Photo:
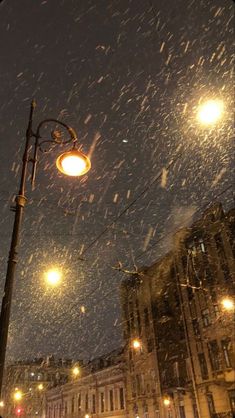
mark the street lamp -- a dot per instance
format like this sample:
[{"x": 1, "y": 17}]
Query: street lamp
[
  {"x": 228, "y": 304},
  {"x": 72, "y": 163},
  {"x": 53, "y": 277},
  {"x": 210, "y": 112}
]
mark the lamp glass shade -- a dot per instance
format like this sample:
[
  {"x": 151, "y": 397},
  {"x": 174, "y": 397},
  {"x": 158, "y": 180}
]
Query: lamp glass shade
[{"x": 73, "y": 163}]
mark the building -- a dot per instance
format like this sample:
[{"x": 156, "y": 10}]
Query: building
[
  {"x": 183, "y": 364},
  {"x": 98, "y": 391},
  {"x": 25, "y": 384}
]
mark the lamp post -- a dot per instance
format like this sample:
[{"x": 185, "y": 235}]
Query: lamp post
[{"x": 72, "y": 163}]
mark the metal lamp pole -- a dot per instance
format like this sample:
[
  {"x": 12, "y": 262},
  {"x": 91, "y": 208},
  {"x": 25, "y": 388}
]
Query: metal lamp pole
[{"x": 20, "y": 202}]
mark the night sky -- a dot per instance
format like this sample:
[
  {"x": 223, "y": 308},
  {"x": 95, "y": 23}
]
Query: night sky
[{"x": 127, "y": 76}]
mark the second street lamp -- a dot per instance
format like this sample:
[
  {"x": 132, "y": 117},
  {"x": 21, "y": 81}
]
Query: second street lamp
[{"x": 73, "y": 163}]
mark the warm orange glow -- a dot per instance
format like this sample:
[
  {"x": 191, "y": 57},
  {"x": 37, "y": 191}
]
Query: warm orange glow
[
  {"x": 73, "y": 163},
  {"x": 40, "y": 386},
  {"x": 18, "y": 395},
  {"x": 136, "y": 344},
  {"x": 227, "y": 304},
  {"x": 53, "y": 277},
  {"x": 210, "y": 112},
  {"x": 76, "y": 371},
  {"x": 1, "y": 404},
  {"x": 166, "y": 401}
]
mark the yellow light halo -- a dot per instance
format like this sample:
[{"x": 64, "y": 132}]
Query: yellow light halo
[
  {"x": 53, "y": 276},
  {"x": 210, "y": 111},
  {"x": 73, "y": 163},
  {"x": 228, "y": 304}
]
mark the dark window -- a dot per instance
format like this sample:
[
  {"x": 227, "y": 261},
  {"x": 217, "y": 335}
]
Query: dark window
[
  {"x": 214, "y": 355},
  {"x": 149, "y": 344},
  {"x": 72, "y": 405},
  {"x": 210, "y": 403},
  {"x": 196, "y": 328},
  {"x": 65, "y": 408},
  {"x": 93, "y": 404},
  {"x": 206, "y": 317},
  {"x": 132, "y": 321},
  {"x": 79, "y": 401},
  {"x": 146, "y": 317},
  {"x": 231, "y": 394},
  {"x": 203, "y": 365},
  {"x": 184, "y": 260},
  {"x": 121, "y": 396},
  {"x": 86, "y": 402},
  {"x": 195, "y": 411},
  {"x": 102, "y": 402},
  {"x": 111, "y": 400},
  {"x": 219, "y": 245},
  {"x": 182, "y": 411},
  {"x": 138, "y": 317},
  {"x": 225, "y": 347}
]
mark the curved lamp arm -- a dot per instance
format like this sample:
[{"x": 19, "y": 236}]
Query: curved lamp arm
[{"x": 55, "y": 140}]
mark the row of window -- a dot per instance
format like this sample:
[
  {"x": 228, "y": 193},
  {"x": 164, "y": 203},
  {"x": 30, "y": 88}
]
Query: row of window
[
  {"x": 90, "y": 403},
  {"x": 217, "y": 357}
]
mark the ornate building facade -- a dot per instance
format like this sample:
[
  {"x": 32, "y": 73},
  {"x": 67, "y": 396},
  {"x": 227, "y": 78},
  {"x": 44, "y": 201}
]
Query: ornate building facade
[
  {"x": 181, "y": 312},
  {"x": 98, "y": 391}
]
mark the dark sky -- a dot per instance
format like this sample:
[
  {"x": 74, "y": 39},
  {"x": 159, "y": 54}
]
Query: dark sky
[{"x": 130, "y": 73}]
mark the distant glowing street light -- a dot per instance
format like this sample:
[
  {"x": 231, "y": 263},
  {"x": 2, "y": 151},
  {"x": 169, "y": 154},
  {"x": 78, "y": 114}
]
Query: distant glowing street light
[
  {"x": 87, "y": 416},
  {"x": 76, "y": 371},
  {"x": 71, "y": 162},
  {"x": 18, "y": 395},
  {"x": 136, "y": 344},
  {"x": 40, "y": 386},
  {"x": 53, "y": 277},
  {"x": 166, "y": 401},
  {"x": 210, "y": 112},
  {"x": 1, "y": 404},
  {"x": 228, "y": 304}
]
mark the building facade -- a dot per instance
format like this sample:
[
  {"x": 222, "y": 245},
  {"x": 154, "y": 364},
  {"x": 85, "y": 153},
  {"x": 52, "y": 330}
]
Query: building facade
[
  {"x": 184, "y": 365},
  {"x": 26, "y": 382},
  {"x": 98, "y": 391}
]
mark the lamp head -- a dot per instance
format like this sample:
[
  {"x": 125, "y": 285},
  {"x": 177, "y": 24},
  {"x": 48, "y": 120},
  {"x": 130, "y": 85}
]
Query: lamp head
[{"x": 73, "y": 163}]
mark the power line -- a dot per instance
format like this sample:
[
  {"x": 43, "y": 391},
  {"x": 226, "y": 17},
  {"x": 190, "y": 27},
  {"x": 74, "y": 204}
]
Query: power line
[{"x": 94, "y": 241}]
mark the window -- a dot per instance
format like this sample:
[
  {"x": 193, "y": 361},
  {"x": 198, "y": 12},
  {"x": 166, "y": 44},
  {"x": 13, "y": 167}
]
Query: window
[
  {"x": 86, "y": 402},
  {"x": 231, "y": 395},
  {"x": 79, "y": 401},
  {"x": 138, "y": 317},
  {"x": 72, "y": 405},
  {"x": 203, "y": 365},
  {"x": 214, "y": 355},
  {"x": 65, "y": 408},
  {"x": 225, "y": 348},
  {"x": 210, "y": 403},
  {"x": 93, "y": 404},
  {"x": 216, "y": 311},
  {"x": 146, "y": 317},
  {"x": 182, "y": 411},
  {"x": 196, "y": 328},
  {"x": 111, "y": 405},
  {"x": 101, "y": 401},
  {"x": 176, "y": 371},
  {"x": 201, "y": 245},
  {"x": 206, "y": 317},
  {"x": 149, "y": 344}
]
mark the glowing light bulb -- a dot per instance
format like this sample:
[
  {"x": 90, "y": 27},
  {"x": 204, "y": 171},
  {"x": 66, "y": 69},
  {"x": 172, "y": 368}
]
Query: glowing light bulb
[
  {"x": 166, "y": 401},
  {"x": 40, "y": 386},
  {"x": 53, "y": 277},
  {"x": 136, "y": 344},
  {"x": 76, "y": 371},
  {"x": 228, "y": 304},
  {"x": 18, "y": 395},
  {"x": 73, "y": 163},
  {"x": 210, "y": 112}
]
